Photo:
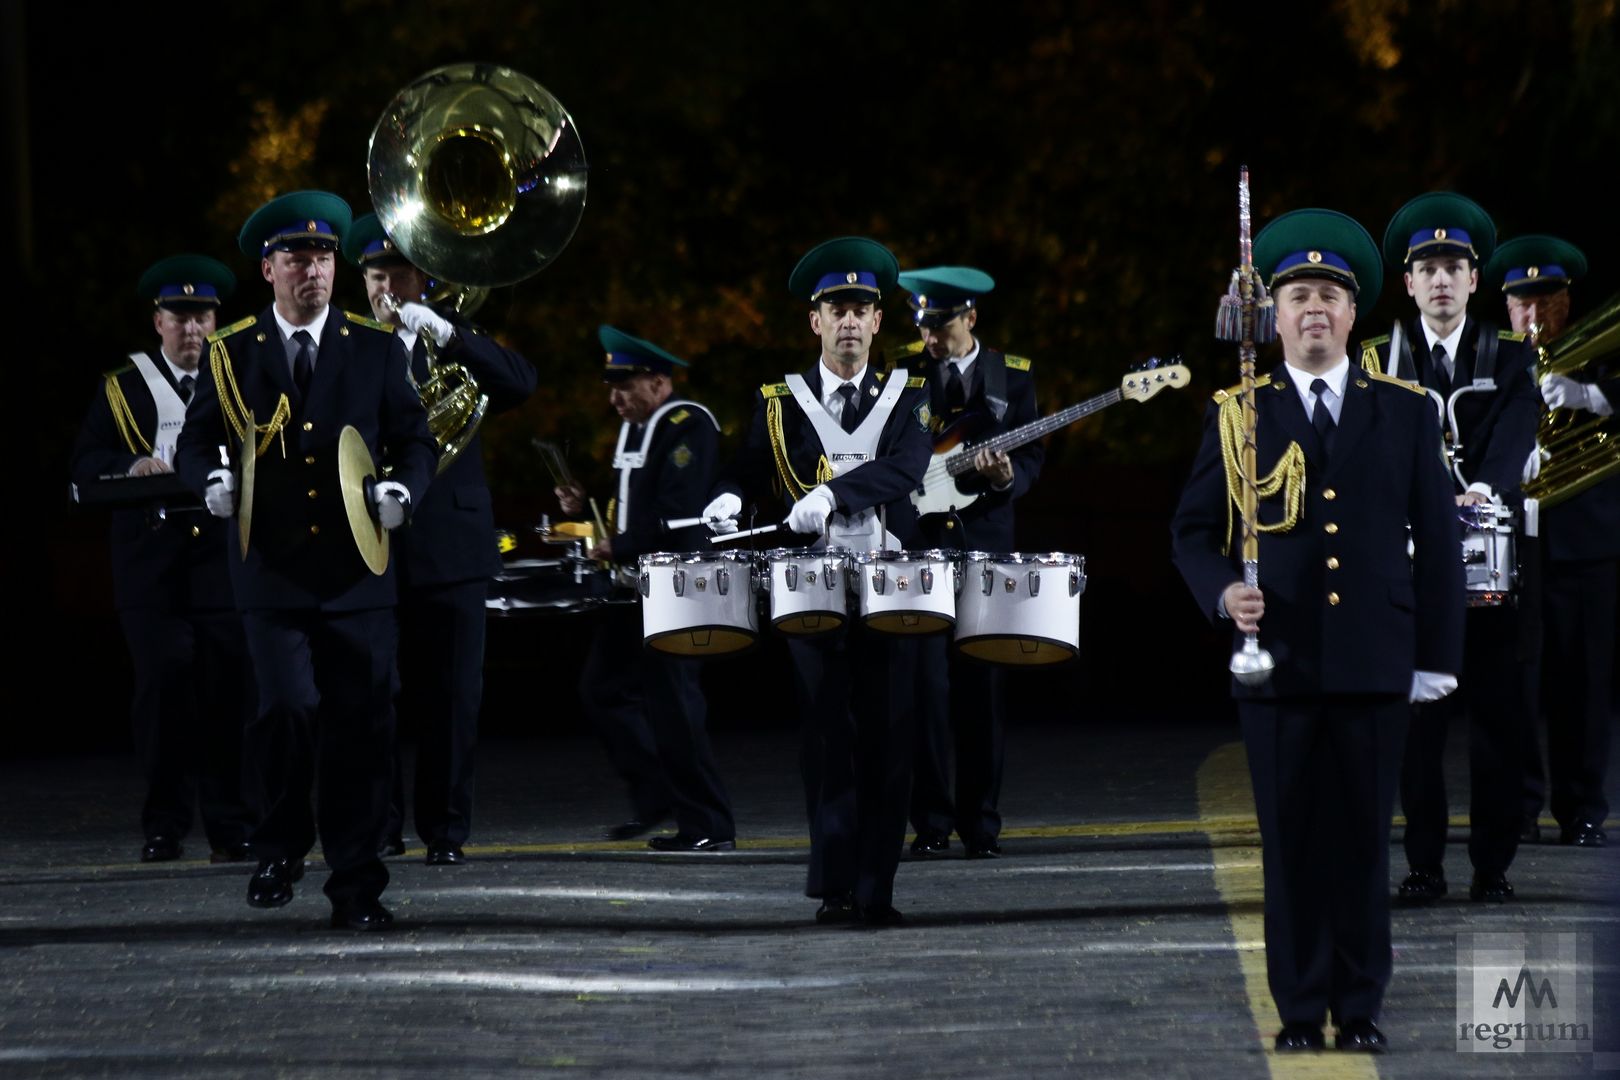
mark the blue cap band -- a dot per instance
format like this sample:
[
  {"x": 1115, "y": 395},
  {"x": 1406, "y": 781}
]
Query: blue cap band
[
  {"x": 308, "y": 233},
  {"x": 863, "y": 281},
  {"x": 1439, "y": 238},
  {"x": 1320, "y": 263},
  {"x": 200, "y": 292},
  {"x": 1550, "y": 274}
]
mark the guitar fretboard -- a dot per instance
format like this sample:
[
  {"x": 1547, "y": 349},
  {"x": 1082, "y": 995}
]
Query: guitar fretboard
[{"x": 1036, "y": 429}]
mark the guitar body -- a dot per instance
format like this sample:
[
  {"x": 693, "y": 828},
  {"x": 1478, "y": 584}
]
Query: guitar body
[{"x": 938, "y": 493}]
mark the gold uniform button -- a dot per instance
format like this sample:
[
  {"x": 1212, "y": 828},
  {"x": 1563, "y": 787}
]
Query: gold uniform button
[
  {"x": 312, "y": 493},
  {"x": 314, "y": 530},
  {"x": 1327, "y": 493},
  {"x": 311, "y": 427},
  {"x": 310, "y": 460},
  {"x": 196, "y": 531},
  {"x": 1331, "y": 527},
  {"x": 1333, "y": 599},
  {"x": 1333, "y": 562}
]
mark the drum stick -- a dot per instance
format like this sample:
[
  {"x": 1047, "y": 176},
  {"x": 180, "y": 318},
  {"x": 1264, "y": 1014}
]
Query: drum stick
[{"x": 728, "y": 537}]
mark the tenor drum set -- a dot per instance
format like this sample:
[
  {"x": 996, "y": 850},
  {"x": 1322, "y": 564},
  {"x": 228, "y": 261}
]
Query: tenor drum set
[{"x": 1014, "y": 609}]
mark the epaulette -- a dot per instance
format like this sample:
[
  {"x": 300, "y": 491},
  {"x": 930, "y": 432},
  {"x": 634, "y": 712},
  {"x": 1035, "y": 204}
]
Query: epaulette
[
  {"x": 1017, "y": 363},
  {"x": 234, "y": 328},
  {"x": 1395, "y": 380},
  {"x": 915, "y": 382},
  {"x": 1510, "y": 335},
  {"x": 1220, "y": 396},
  {"x": 679, "y": 415},
  {"x": 776, "y": 389},
  {"x": 115, "y": 372},
  {"x": 893, "y": 355},
  {"x": 1374, "y": 342},
  {"x": 363, "y": 321}
]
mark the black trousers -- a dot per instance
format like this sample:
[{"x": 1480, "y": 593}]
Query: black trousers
[
  {"x": 325, "y": 724},
  {"x": 1491, "y": 693},
  {"x": 1579, "y": 611},
  {"x": 193, "y": 697},
  {"x": 853, "y": 687},
  {"x": 441, "y": 673},
  {"x": 960, "y": 716},
  {"x": 648, "y": 707},
  {"x": 1325, "y": 772}
]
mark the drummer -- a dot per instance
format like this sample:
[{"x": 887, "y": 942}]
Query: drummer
[
  {"x": 845, "y": 446},
  {"x": 648, "y": 706}
]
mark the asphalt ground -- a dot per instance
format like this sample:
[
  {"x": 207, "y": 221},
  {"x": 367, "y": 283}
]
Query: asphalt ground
[{"x": 1120, "y": 936}]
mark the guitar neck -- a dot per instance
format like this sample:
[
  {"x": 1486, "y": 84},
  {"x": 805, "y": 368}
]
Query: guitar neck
[{"x": 1035, "y": 429}]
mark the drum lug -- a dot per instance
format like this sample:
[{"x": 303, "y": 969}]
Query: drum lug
[
  {"x": 680, "y": 582},
  {"x": 791, "y": 574},
  {"x": 989, "y": 576},
  {"x": 722, "y": 581},
  {"x": 879, "y": 575},
  {"x": 1034, "y": 583},
  {"x": 643, "y": 585},
  {"x": 1077, "y": 582},
  {"x": 926, "y": 576},
  {"x": 829, "y": 576}
]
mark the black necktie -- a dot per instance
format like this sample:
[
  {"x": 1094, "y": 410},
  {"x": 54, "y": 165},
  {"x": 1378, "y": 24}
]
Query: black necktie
[
  {"x": 1442, "y": 370},
  {"x": 187, "y": 384},
  {"x": 955, "y": 392},
  {"x": 1322, "y": 416},
  {"x": 304, "y": 362},
  {"x": 850, "y": 417}
]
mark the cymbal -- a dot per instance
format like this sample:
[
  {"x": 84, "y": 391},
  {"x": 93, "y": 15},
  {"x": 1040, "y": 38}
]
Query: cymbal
[
  {"x": 357, "y": 473},
  {"x": 246, "y": 458}
]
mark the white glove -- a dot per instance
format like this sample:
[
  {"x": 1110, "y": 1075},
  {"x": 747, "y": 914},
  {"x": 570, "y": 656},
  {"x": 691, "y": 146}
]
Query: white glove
[
  {"x": 1562, "y": 392},
  {"x": 391, "y": 498},
  {"x": 220, "y": 494},
  {"x": 1431, "y": 686},
  {"x": 421, "y": 319},
  {"x": 809, "y": 515},
  {"x": 721, "y": 513}
]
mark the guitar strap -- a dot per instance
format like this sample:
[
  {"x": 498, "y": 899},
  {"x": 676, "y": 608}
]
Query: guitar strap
[{"x": 994, "y": 365}]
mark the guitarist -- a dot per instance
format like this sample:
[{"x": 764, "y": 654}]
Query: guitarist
[{"x": 974, "y": 392}]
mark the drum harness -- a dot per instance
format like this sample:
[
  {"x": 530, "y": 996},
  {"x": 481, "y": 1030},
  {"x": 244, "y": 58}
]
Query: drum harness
[{"x": 844, "y": 450}]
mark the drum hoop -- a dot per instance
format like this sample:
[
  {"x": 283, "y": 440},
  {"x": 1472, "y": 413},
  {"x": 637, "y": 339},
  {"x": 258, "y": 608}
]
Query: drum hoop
[
  {"x": 1026, "y": 558},
  {"x": 692, "y": 558},
  {"x": 920, "y": 555}
]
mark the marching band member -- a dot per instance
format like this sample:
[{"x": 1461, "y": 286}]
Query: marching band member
[
  {"x": 320, "y": 625},
  {"x": 445, "y": 559},
  {"x": 193, "y": 689},
  {"x": 1355, "y": 624},
  {"x": 1479, "y": 380},
  {"x": 845, "y": 445},
  {"x": 1580, "y": 560},
  {"x": 647, "y": 705},
  {"x": 960, "y": 703}
]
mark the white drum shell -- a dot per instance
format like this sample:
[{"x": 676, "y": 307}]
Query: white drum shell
[
  {"x": 1002, "y": 619},
  {"x": 809, "y": 590},
  {"x": 698, "y": 604},
  {"x": 906, "y": 592},
  {"x": 1490, "y": 564}
]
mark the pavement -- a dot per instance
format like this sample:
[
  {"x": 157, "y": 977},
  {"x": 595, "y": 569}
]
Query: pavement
[{"x": 1120, "y": 936}]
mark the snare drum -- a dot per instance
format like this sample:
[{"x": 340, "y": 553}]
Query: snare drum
[
  {"x": 809, "y": 590},
  {"x": 698, "y": 605},
  {"x": 906, "y": 592},
  {"x": 528, "y": 586},
  {"x": 1490, "y": 567},
  {"x": 1020, "y": 609}
]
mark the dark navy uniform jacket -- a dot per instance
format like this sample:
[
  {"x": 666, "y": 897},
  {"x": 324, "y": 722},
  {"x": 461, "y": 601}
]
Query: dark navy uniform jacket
[
  {"x": 1362, "y": 623},
  {"x": 1586, "y": 526},
  {"x": 451, "y": 536},
  {"x": 180, "y": 564},
  {"x": 902, "y": 455},
  {"x": 988, "y": 520},
  {"x": 302, "y": 554},
  {"x": 674, "y": 483},
  {"x": 1495, "y": 428}
]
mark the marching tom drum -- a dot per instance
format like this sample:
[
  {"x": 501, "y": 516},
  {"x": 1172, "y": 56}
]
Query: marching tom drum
[
  {"x": 906, "y": 592},
  {"x": 1490, "y": 566},
  {"x": 1020, "y": 609},
  {"x": 698, "y": 604},
  {"x": 809, "y": 590}
]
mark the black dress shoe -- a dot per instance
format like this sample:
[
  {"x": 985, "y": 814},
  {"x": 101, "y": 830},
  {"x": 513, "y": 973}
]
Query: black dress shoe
[
  {"x": 881, "y": 918},
  {"x": 362, "y": 915},
  {"x": 160, "y": 848},
  {"x": 241, "y": 851},
  {"x": 982, "y": 847},
  {"x": 683, "y": 842},
  {"x": 1583, "y": 834},
  {"x": 1423, "y": 886},
  {"x": 835, "y": 910},
  {"x": 930, "y": 845},
  {"x": 444, "y": 853},
  {"x": 631, "y": 829},
  {"x": 1490, "y": 887},
  {"x": 394, "y": 845},
  {"x": 272, "y": 883},
  {"x": 1362, "y": 1036},
  {"x": 1297, "y": 1037}
]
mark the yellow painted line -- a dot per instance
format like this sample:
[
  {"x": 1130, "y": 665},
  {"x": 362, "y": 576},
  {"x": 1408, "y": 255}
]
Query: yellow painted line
[{"x": 1224, "y": 795}]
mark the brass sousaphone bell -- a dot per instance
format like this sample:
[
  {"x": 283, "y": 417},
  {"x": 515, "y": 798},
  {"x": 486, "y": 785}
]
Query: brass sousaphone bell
[
  {"x": 478, "y": 177},
  {"x": 1578, "y": 449}
]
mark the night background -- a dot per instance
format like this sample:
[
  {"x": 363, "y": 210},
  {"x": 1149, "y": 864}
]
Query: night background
[{"x": 1085, "y": 155}]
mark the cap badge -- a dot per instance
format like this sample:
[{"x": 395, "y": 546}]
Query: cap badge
[
  {"x": 310, "y": 225},
  {"x": 1313, "y": 256},
  {"x": 388, "y": 245},
  {"x": 1439, "y": 234},
  {"x": 1533, "y": 271},
  {"x": 188, "y": 289},
  {"x": 922, "y": 303},
  {"x": 851, "y": 277}
]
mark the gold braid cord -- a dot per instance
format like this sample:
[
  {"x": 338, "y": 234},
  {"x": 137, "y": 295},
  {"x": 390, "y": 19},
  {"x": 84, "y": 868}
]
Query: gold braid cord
[
  {"x": 1287, "y": 477},
  {"x": 796, "y": 488},
  {"x": 124, "y": 417},
  {"x": 234, "y": 408}
]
